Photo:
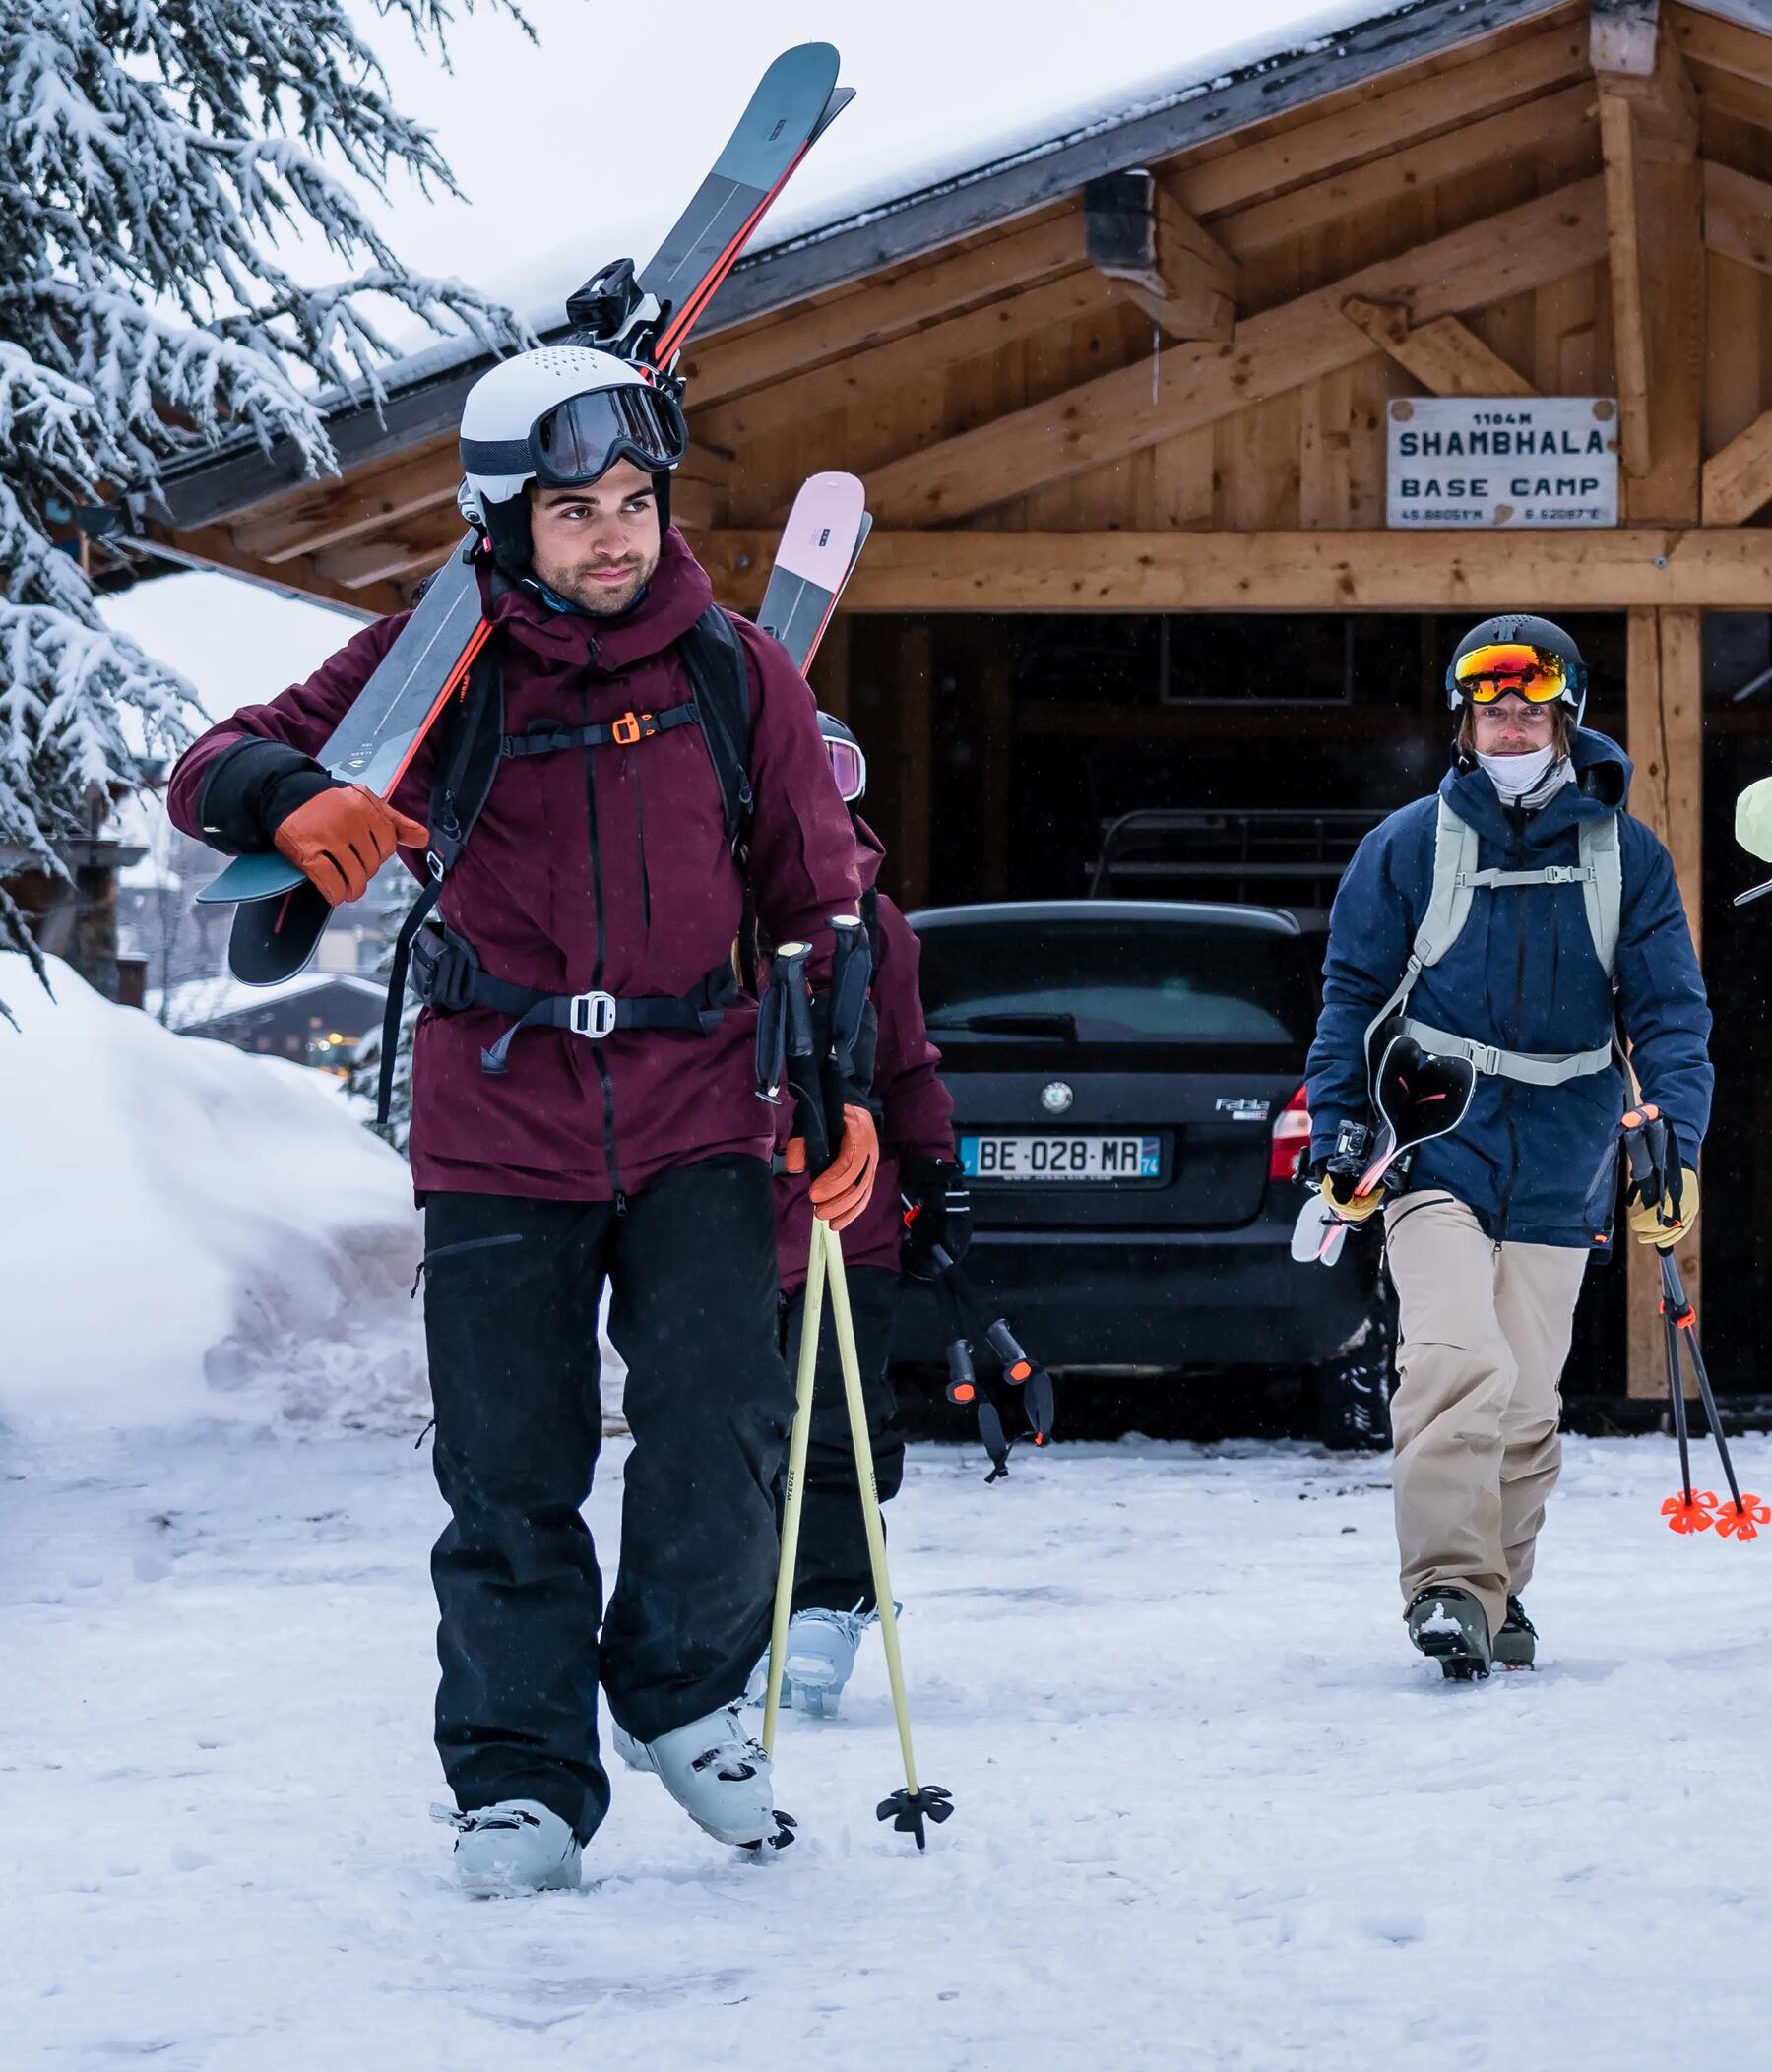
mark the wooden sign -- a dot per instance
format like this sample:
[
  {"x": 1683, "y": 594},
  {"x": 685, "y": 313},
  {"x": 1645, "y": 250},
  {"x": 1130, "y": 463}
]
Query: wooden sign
[{"x": 1477, "y": 460}]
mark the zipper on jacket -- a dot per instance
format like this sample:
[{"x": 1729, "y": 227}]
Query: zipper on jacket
[
  {"x": 640, "y": 833},
  {"x": 597, "y": 969}
]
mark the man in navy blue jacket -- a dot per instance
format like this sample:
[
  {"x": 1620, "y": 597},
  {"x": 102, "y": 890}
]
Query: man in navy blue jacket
[{"x": 1521, "y": 919}]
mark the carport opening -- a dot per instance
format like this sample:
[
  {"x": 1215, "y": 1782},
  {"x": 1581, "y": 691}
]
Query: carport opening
[{"x": 1007, "y": 749}]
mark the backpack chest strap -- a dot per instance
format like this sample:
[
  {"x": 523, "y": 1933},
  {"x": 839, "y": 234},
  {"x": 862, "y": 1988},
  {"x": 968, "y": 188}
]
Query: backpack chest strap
[
  {"x": 550, "y": 738},
  {"x": 1551, "y": 874}
]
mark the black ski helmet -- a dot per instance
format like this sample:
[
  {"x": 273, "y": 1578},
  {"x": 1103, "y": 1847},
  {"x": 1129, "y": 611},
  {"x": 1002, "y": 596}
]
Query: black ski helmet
[
  {"x": 848, "y": 764},
  {"x": 1526, "y": 630}
]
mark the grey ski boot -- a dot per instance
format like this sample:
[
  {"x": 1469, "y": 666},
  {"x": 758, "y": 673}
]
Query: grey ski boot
[
  {"x": 1448, "y": 1624},
  {"x": 1516, "y": 1645}
]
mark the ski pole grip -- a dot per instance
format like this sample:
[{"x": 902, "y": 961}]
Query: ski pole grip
[
  {"x": 851, "y": 970},
  {"x": 1644, "y": 1166},
  {"x": 1017, "y": 1366}
]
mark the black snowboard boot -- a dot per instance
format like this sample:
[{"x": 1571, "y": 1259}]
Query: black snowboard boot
[
  {"x": 1516, "y": 1645},
  {"x": 1448, "y": 1624}
]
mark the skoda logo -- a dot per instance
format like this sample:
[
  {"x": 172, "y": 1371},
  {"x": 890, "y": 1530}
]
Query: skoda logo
[{"x": 1056, "y": 1097}]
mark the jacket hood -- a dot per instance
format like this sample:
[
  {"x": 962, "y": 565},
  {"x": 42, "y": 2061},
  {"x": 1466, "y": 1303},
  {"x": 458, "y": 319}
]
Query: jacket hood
[
  {"x": 676, "y": 595},
  {"x": 871, "y": 853},
  {"x": 1603, "y": 773}
]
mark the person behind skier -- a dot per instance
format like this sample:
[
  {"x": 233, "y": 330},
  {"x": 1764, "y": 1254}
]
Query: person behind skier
[
  {"x": 584, "y": 1103},
  {"x": 832, "y": 1593},
  {"x": 1521, "y": 919}
]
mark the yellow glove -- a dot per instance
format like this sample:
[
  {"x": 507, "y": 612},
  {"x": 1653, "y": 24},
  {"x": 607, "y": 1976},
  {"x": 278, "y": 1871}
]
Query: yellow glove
[
  {"x": 1352, "y": 1207},
  {"x": 1647, "y": 1228},
  {"x": 1754, "y": 820}
]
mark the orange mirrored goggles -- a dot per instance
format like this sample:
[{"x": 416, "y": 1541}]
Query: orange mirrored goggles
[{"x": 1535, "y": 673}]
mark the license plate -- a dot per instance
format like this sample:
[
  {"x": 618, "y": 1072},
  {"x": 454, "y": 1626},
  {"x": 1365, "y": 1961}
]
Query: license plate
[{"x": 1068, "y": 1158}]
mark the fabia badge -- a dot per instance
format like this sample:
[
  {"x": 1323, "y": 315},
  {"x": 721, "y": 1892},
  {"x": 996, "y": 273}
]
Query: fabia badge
[{"x": 1056, "y": 1097}]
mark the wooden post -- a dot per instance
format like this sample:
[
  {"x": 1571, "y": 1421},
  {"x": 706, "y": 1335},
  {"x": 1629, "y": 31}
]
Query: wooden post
[
  {"x": 1666, "y": 741},
  {"x": 997, "y": 719},
  {"x": 913, "y": 692}
]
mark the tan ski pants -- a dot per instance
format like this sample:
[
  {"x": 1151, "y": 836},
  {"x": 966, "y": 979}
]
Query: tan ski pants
[{"x": 1483, "y": 1334}]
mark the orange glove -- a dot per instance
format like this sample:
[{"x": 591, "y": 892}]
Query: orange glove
[
  {"x": 340, "y": 839},
  {"x": 843, "y": 1190}
]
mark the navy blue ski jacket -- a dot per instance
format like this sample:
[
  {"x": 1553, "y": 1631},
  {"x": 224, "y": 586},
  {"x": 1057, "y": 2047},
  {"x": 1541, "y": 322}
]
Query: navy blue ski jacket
[{"x": 1535, "y": 1165}]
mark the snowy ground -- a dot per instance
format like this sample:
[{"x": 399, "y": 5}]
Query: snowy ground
[{"x": 1211, "y": 1814}]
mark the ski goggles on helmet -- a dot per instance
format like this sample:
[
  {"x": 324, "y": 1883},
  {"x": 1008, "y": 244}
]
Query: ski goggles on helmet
[
  {"x": 581, "y": 439},
  {"x": 1537, "y": 674},
  {"x": 848, "y": 766}
]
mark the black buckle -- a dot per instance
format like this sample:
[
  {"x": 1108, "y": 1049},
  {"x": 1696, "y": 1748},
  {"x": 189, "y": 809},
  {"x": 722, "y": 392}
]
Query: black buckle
[{"x": 443, "y": 972}]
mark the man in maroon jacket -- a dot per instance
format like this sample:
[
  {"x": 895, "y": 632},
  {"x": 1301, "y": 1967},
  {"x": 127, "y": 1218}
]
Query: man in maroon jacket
[
  {"x": 553, "y": 1149},
  {"x": 833, "y": 1590}
]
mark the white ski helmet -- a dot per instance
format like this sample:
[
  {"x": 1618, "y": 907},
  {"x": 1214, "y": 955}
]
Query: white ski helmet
[{"x": 560, "y": 414}]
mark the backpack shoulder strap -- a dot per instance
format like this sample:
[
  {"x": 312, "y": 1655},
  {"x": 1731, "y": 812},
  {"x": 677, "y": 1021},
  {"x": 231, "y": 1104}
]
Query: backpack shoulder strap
[
  {"x": 870, "y": 921},
  {"x": 1603, "y": 888},
  {"x": 467, "y": 764},
  {"x": 1455, "y": 852},
  {"x": 720, "y": 678}
]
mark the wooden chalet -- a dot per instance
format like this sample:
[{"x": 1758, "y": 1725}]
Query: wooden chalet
[{"x": 1123, "y": 401}]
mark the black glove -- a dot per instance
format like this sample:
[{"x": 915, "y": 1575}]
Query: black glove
[
  {"x": 940, "y": 1214},
  {"x": 251, "y": 789}
]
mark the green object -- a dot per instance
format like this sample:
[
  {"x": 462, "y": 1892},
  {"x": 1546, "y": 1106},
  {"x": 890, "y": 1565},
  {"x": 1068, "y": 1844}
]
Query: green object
[
  {"x": 1516, "y": 1645},
  {"x": 1450, "y": 1625},
  {"x": 1753, "y": 819}
]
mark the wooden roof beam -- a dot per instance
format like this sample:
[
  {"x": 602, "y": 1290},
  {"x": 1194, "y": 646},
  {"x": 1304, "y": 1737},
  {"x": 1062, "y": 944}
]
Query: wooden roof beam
[
  {"x": 1605, "y": 569},
  {"x": 1485, "y": 81},
  {"x": 871, "y": 371},
  {"x": 871, "y": 311},
  {"x": 1726, "y": 46},
  {"x": 1445, "y": 357},
  {"x": 1115, "y": 415},
  {"x": 1738, "y": 480},
  {"x": 1655, "y": 224},
  {"x": 1136, "y": 233},
  {"x": 1550, "y": 118},
  {"x": 325, "y": 514},
  {"x": 1738, "y": 216},
  {"x": 396, "y": 557},
  {"x": 213, "y": 547}
]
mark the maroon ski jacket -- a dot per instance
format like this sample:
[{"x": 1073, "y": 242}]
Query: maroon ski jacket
[
  {"x": 612, "y": 855},
  {"x": 916, "y": 1111}
]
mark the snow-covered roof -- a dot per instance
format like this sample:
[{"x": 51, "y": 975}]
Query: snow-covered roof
[
  {"x": 968, "y": 186},
  {"x": 198, "y": 1002}
]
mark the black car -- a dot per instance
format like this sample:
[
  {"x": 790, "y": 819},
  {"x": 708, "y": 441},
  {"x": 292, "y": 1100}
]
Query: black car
[{"x": 1128, "y": 1098}]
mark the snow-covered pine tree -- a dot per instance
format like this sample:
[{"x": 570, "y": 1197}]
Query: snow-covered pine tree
[{"x": 149, "y": 153}]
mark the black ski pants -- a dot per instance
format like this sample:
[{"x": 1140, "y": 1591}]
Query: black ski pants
[
  {"x": 511, "y": 1297},
  {"x": 832, "y": 1571}
]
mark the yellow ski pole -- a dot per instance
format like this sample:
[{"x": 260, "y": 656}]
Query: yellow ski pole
[
  {"x": 811, "y": 1318},
  {"x": 907, "y": 1809}
]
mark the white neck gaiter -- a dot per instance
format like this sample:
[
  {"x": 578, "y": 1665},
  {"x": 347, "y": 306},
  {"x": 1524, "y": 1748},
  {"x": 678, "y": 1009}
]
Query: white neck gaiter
[{"x": 1527, "y": 780}]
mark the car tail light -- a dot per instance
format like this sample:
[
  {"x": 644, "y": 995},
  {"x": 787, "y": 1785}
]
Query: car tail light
[{"x": 1291, "y": 1139}]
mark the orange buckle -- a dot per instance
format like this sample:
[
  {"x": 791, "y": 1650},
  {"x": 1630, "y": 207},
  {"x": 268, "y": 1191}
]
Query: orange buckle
[{"x": 632, "y": 728}]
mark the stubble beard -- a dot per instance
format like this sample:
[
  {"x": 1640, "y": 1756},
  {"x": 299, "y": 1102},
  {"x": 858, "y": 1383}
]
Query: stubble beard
[{"x": 602, "y": 600}]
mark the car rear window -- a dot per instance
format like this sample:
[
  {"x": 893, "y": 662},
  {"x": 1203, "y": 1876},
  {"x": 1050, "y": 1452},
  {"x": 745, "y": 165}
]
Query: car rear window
[{"x": 1121, "y": 981}]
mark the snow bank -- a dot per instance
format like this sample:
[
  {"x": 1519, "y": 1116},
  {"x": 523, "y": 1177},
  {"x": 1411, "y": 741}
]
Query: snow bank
[{"x": 193, "y": 1231}]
